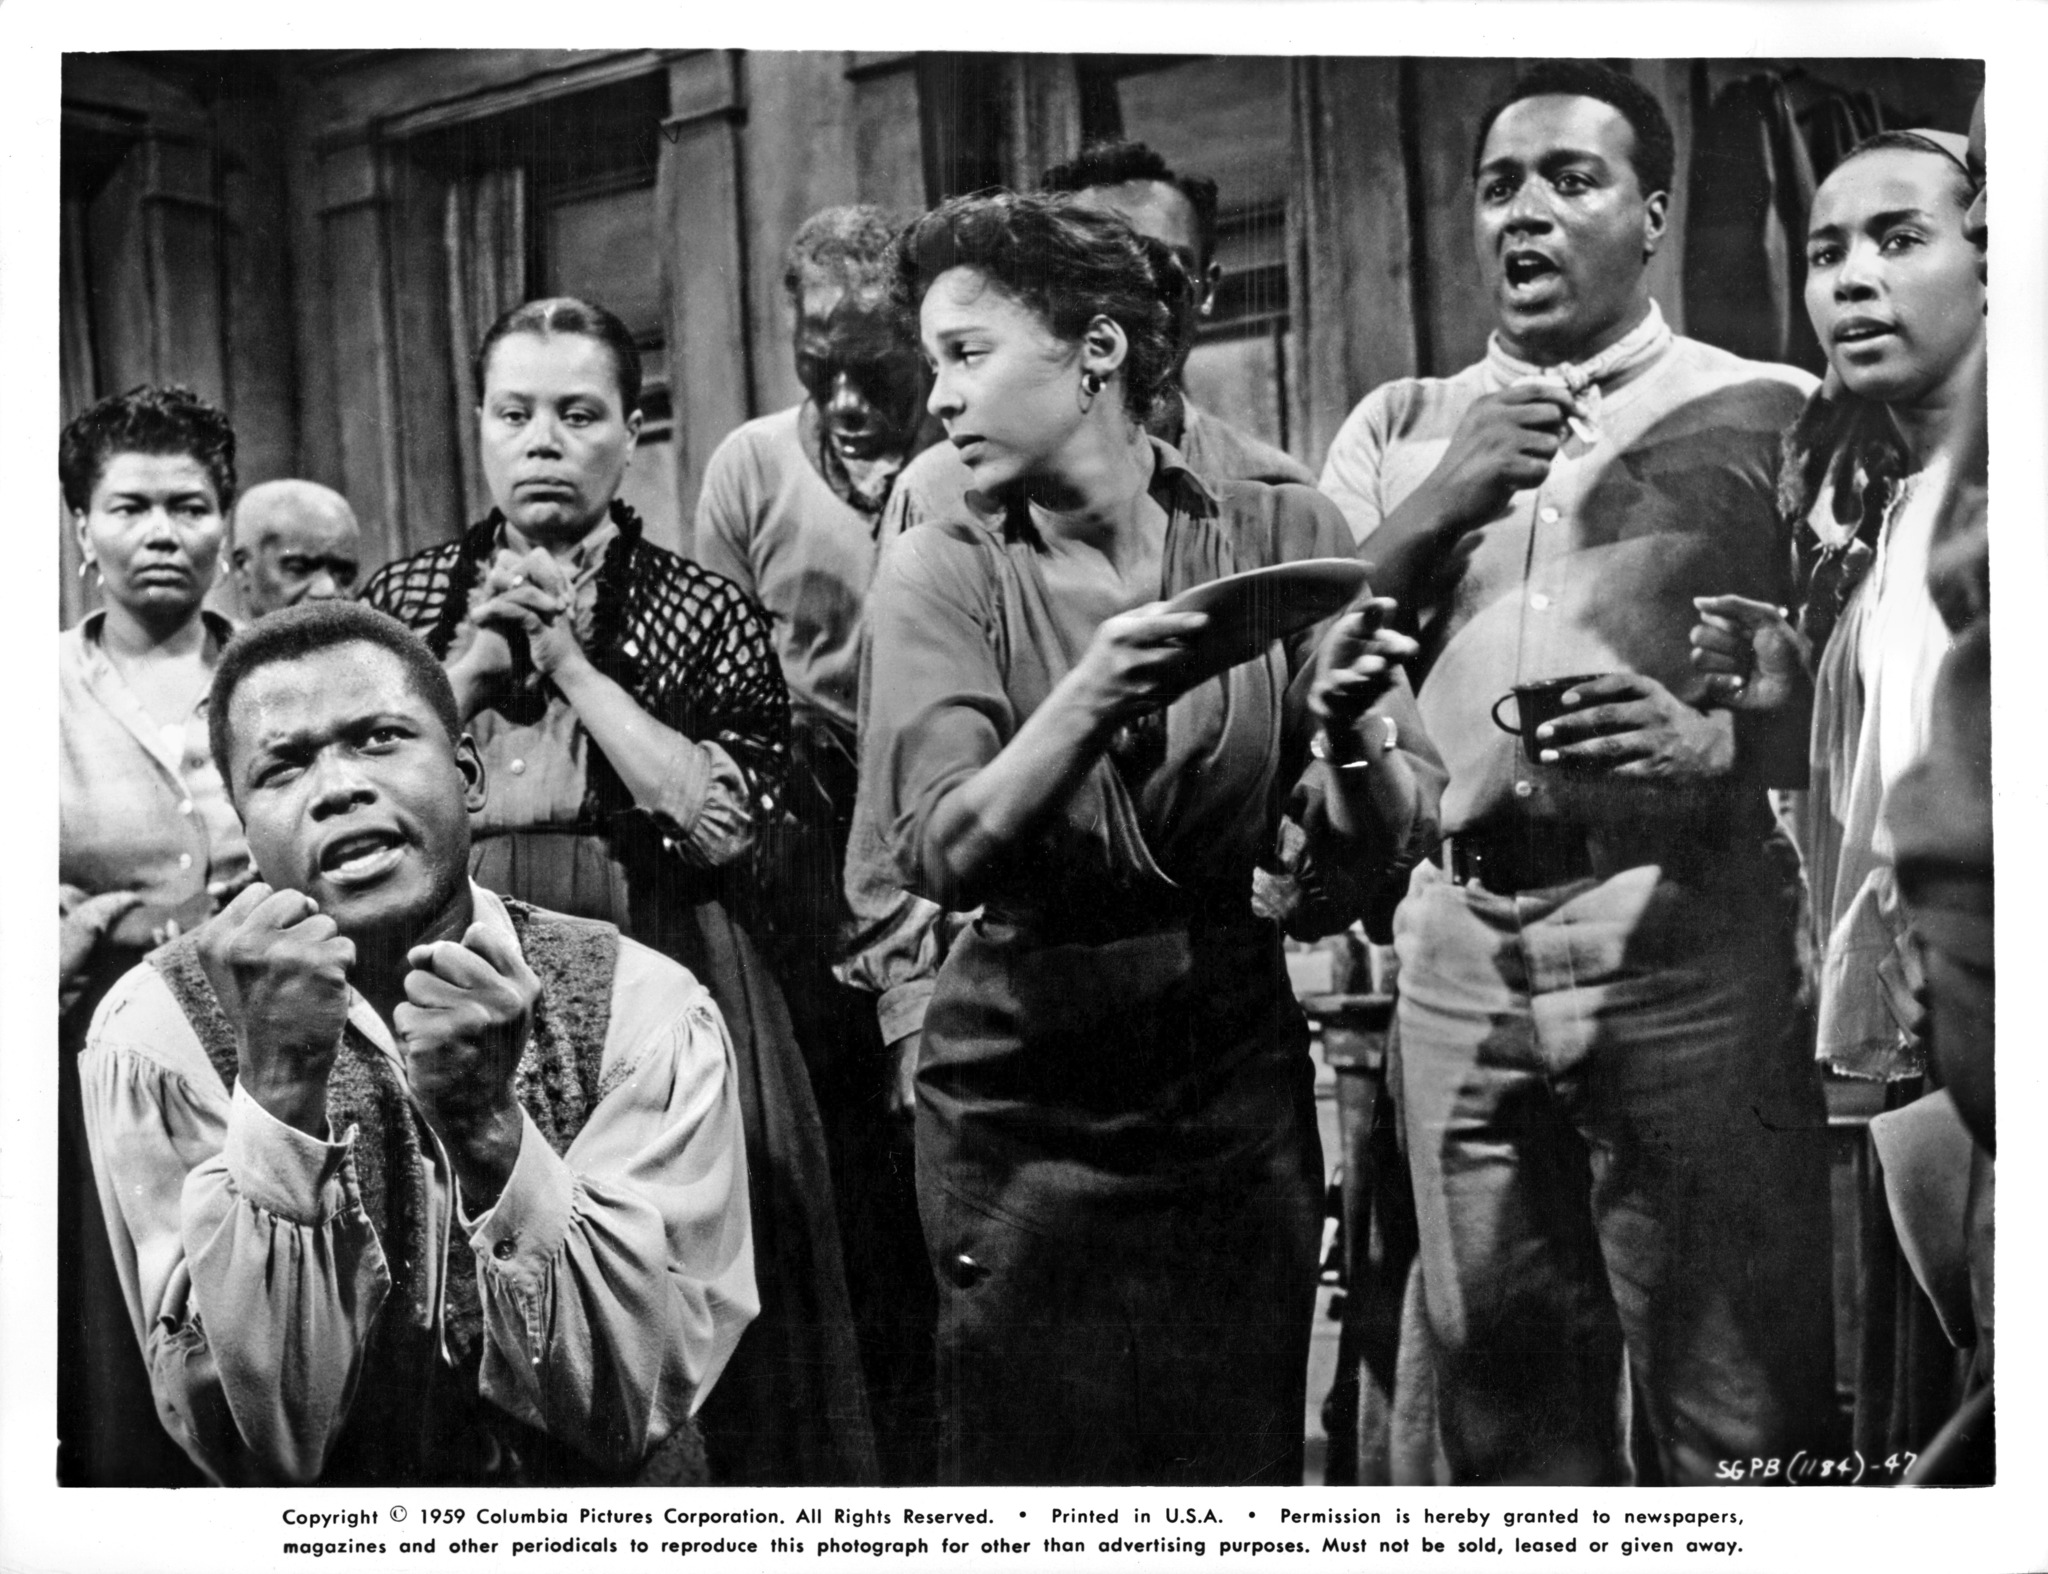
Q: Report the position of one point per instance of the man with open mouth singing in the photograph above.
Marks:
(1614, 1129)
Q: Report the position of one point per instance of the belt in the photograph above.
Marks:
(1538, 853)
(1521, 857)
(1112, 913)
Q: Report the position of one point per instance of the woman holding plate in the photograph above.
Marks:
(1119, 1172)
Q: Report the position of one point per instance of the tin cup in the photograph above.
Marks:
(1535, 704)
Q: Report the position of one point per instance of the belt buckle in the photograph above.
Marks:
(1526, 858)
(1459, 856)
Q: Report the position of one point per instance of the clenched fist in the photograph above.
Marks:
(280, 969)
(463, 1025)
(1503, 445)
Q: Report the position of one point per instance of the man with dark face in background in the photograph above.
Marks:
(792, 511)
(1613, 1123)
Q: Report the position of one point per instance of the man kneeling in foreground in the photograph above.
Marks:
(407, 1182)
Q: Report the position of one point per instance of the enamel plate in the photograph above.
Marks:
(1248, 611)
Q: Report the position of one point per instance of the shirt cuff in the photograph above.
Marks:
(687, 785)
(902, 1008)
(280, 1169)
(523, 1230)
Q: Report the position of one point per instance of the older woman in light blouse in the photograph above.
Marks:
(148, 844)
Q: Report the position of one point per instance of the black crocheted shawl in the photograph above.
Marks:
(689, 645)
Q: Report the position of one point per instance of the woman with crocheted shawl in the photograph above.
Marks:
(634, 725)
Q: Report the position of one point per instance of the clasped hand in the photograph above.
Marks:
(530, 594)
(1630, 725)
(1504, 443)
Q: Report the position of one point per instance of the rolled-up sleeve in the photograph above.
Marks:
(937, 711)
(900, 939)
(616, 1278)
(702, 806)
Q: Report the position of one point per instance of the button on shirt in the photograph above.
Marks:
(141, 807)
(1592, 571)
(903, 938)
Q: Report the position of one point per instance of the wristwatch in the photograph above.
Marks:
(1323, 749)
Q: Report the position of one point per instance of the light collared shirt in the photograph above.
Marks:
(1594, 570)
(937, 485)
(615, 1278)
(140, 807)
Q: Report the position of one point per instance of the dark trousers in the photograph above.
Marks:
(1617, 1142)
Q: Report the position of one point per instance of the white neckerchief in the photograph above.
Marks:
(1583, 379)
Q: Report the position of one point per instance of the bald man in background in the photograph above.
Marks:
(293, 541)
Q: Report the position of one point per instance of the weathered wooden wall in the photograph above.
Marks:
(271, 228)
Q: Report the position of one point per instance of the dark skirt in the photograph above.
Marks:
(795, 909)
(790, 1408)
(1122, 1185)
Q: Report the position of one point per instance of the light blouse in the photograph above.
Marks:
(140, 807)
